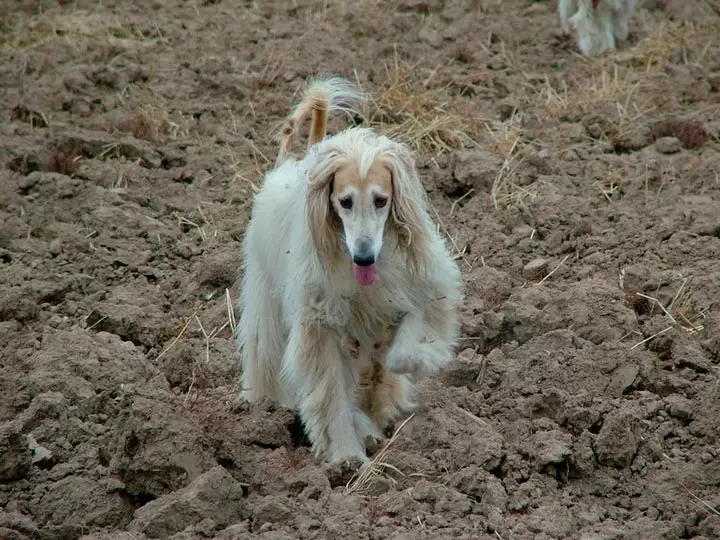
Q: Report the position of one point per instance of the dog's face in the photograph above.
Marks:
(363, 204)
(362, 187)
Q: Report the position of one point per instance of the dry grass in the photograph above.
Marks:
(201, 365)
(665, 42)
(80, 29)
(680, 312)
(251, 170)
(507, 139)
(378, 467)
(609, 186)
(152, 124)
(507, 192)
(64, 161)
(606, 88)
(411, 110)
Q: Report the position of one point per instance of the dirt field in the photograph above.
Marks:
(581, 197)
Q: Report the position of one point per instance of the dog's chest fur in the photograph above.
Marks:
(375, 310)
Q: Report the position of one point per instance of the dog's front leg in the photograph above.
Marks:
(566, 9)
(325, 392)
(424, 341)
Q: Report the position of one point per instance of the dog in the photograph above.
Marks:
(349, 294)
(599, 24)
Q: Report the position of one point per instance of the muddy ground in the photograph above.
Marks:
(581, 198)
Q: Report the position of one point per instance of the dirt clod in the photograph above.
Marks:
(535, 269)
(668, 145)
(214, 495)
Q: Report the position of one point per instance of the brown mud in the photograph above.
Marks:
(580, 196)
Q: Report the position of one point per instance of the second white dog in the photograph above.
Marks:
(349, 293)
(597, 23)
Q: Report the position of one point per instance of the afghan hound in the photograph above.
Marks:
(349, 293)
(597, 23)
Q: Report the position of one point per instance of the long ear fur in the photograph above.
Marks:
(408, 211)
(325, 226)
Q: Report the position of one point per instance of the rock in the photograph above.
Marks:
(583, 459)
(41, 455)
(107, 535)
(55, 247)
(668, 145)
(15, 456)
(425, 491)
(172, 158)
(158, 450)
(474, 169)
(271, 510)
(480, 485)
(462, 372)
(550, 447)
(18, 303)
(595, 131)
(616, 445)
(691, 356)
(9, 534)
(77, 501)
(15, 525)
(537, 268)
(235, 531)
(679, 407)
(341, 472)
(378, 486)
(215, 495)
(451, 501)
(634, 141)
(218, 270)
(396, 504)
(622, 379)
(80, 364)
(458, 439)
(554, 520)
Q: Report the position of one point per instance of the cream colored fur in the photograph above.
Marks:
(598, 28)
(311, 337)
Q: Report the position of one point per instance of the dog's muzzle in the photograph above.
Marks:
(364, 255)
(365, 269)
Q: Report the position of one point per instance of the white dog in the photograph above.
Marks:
(597, 23)
(349, 293)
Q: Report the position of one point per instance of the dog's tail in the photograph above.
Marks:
(322, 95)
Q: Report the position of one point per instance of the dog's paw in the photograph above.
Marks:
(344, 450)
(365, 426)
(401, 361)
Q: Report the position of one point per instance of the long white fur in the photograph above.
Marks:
(299, 308)
(597, 28)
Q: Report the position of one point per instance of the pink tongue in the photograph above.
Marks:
(365, 275)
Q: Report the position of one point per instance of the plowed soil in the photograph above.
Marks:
(580, 196)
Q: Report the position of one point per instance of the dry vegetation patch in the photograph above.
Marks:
(419, 113)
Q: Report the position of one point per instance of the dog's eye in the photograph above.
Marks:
(380, 202)
(346, 203)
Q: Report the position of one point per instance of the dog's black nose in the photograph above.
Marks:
(364, 256)
(364, 260)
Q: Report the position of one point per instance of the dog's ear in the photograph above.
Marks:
(408, 214)
(325, 225)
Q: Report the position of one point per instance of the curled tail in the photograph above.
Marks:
(321, 96)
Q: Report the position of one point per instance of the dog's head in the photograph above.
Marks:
(363, 187)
